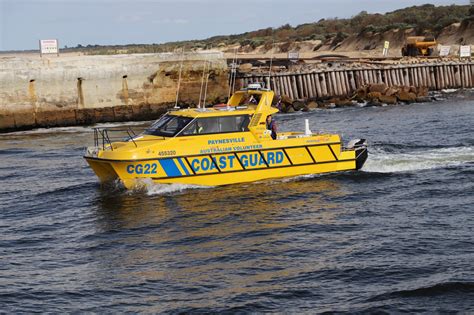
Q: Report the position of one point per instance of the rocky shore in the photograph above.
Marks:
(376, 94)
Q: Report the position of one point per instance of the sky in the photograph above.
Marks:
(103, 22)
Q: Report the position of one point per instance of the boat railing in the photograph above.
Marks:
(103, 137)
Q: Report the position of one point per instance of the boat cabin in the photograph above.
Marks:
(246, 110)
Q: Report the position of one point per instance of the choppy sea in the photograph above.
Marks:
(397, 236)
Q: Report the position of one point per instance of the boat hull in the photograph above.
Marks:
(230, 168)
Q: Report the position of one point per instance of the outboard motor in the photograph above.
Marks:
(361, 152)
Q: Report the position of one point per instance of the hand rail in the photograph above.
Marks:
(104, 140)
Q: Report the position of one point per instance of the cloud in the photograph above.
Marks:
(133, 17)
(170, 21)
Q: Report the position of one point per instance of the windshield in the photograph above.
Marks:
(168, 126)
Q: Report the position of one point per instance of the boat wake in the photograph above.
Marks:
(75, 129)
(164, 189)
(382, 161)
(150, 188)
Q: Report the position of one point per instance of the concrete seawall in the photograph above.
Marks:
(80, 90)
(75, 90)
(345, 81)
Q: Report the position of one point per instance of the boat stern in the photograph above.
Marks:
(361, 153)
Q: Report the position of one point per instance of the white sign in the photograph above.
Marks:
(465, 51)
(386, 45)
(49, 46)
(293, 55)
(444, 51)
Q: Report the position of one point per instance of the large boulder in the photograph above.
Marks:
(286, 100)
(405, 96)
(361, 93)
(422, 91)
(388, 99)
(377, 87)
(285, 108)
(405, 89)
(340, 102)
(372, 96)
(298, 105)
(312, 105)
(391, 91)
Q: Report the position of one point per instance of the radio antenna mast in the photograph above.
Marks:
(202, 83)
(271, 63)
(207, 81)
(233, 71)
(179, 78)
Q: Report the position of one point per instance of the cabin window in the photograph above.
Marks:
(210, 125)
(168, 126)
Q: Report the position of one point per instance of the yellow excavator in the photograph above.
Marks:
(419, 46)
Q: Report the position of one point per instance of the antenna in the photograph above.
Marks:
(179, 78)
(271, 63)
(235, 77)
(233, 70)
(202, 83)
(207, 80)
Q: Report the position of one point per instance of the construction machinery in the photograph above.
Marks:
(419, 46)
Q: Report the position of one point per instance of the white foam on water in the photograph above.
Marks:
(121, 124)
(161, 189)
(386, 162)
(296, 178)
(50, 130)
(151, 188)
(447, 91)
(76, 129)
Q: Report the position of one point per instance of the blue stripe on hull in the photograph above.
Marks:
(170, 167)
(180, 160)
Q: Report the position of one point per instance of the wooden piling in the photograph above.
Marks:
(345, 82)
(330, 78)
(457, 75)
(441, 77)
(453, 76)
(286, 82)
(401, 78)
(323, 84)
(312, 85)
(317, 84)
(406, 77)
(299, 86)
(413, 76)
(280, 82)
(294, 87)
(304, 86)
(337, 83)
(387, 80)
(470, 72)
(324, 87)
(465, 76)
(356, 78)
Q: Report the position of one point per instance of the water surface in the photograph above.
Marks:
(396, 236)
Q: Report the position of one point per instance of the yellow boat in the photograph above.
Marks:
(222, 145)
